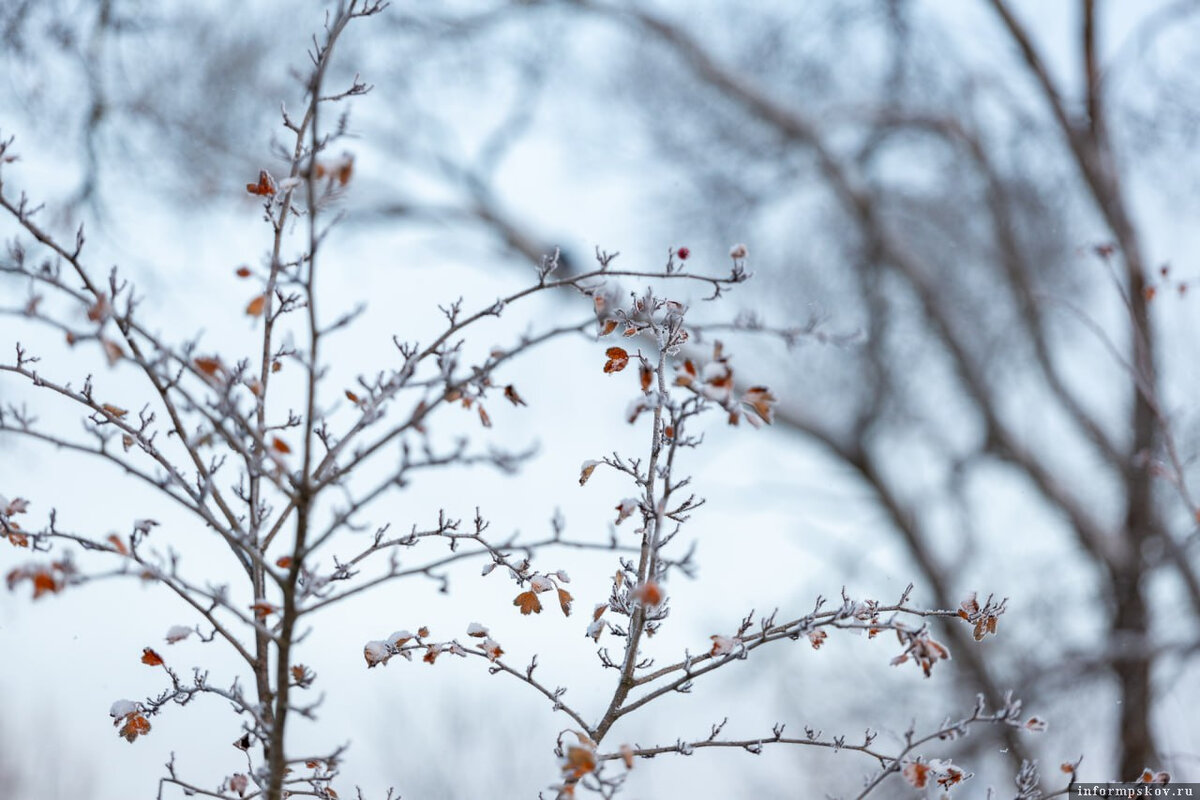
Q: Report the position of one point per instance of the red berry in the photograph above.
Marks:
(683, 253)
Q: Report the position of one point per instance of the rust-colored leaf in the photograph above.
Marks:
(564, 601)
(510, 392)
(528, 602)
(208, 365)
(760, 399)
(44, 583)
(284, 562)
(646, 375)
(113, 352)
(243, 272)
(352, 397)
(135, 725)
(265, 185)
(484, 418)
(431, 654)
(649, 594)
(280, 446)
(586, 471)
(100, 310)
(492, 649)
(18, 539)
(262, 609)
(618, 359)
(917, 774)
(422, 632)
(114, 411)
(579, 761)
(18, 505)
(151, 658)
(255, 307)
(609, 326)
(276, 366)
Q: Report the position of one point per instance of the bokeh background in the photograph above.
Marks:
(978, 230)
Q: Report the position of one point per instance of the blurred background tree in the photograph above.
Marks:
(997, 195)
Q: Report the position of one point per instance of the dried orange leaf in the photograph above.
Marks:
(151, 658)
(284, 562)
(618, 359)
(609, 326)
(528, 602)
(112, 351)
(762, 401)
(44, 583)
(484, 418)
(564, 601)
(243, 272)
(510, 392)
(115, 411)
(491, 649)
(265, 185)
(100, 310)
(649, 594)
(255, 307)
(579, 761)
(352, 397)
(262, 609)
(209, 366)
(135, 725)
(586, 471)
(280, 446)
